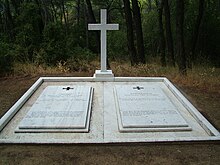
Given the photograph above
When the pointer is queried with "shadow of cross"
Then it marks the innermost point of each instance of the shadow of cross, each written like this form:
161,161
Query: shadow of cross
138,88
68,88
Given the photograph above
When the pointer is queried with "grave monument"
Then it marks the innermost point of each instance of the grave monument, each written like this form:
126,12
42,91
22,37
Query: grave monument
104,109
103,27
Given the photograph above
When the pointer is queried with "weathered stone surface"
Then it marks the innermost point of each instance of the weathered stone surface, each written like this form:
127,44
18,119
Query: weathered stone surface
59,107
146,107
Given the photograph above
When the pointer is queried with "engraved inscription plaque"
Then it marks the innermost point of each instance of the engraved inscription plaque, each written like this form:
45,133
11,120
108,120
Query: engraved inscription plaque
146,107
60,107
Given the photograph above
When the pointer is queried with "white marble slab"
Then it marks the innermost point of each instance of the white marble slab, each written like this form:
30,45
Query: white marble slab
147,107
59,107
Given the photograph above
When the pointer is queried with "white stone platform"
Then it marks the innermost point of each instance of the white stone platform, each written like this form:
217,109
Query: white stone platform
160,113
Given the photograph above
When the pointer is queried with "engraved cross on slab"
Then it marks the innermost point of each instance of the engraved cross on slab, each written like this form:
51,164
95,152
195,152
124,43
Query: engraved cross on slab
138,88
68,88
103,27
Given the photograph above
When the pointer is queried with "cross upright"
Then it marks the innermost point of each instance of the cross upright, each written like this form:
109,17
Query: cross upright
103,26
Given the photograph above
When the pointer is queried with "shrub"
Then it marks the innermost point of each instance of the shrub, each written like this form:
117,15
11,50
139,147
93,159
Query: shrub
6,58
53,48
80,59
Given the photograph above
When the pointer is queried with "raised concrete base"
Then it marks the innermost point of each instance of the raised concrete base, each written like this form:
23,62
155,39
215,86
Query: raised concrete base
106,124
103,76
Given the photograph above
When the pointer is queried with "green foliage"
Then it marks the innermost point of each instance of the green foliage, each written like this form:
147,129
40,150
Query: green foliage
82,54
38,32
207,51
117,45
54,44
6,58
76,37
27,35
208,44
79,58
150,32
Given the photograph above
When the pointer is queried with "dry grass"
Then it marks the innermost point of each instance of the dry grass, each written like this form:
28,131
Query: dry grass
206,78
201,77
61,68
33,69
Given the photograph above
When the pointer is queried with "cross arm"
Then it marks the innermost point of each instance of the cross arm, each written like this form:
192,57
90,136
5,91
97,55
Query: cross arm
94,26
103,26
112,27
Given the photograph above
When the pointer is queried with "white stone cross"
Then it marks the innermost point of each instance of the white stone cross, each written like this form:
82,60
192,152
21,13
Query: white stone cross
103,26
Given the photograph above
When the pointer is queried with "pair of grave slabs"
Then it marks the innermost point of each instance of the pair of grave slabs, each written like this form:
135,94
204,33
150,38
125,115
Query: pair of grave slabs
63,109
123,110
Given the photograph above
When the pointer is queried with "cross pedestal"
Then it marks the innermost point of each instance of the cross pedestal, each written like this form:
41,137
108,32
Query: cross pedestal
103,27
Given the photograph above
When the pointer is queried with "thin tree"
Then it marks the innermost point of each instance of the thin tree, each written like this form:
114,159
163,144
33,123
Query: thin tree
169,37
149,5
45,12
138,30
196,32
40,22
9,21
78,11
130,34
181,59
16,5
161,32
1,23
53,11
85,19
64,14
91,18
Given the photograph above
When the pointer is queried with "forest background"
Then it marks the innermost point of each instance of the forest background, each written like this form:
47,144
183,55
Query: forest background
181,33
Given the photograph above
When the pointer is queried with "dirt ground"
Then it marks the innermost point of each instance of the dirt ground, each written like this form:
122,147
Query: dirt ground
208,103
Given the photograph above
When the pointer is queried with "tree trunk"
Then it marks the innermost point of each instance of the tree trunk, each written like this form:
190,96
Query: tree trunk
64,15
54,10
1,23
139,33
130,34
46,15
179,37
196,31
149,5
90,12
86,25
78,11
9,21
16,4
40,23
93,20
161,32
169,37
